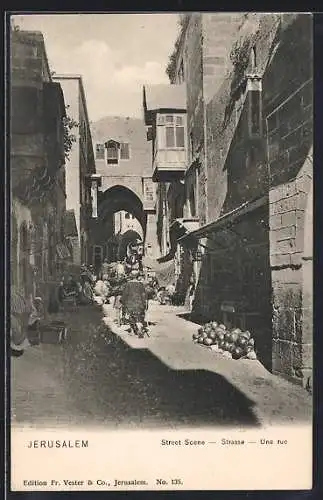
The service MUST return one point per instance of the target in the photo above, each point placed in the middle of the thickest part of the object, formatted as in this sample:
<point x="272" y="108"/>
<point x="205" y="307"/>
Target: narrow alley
<point x="106" y="376"/>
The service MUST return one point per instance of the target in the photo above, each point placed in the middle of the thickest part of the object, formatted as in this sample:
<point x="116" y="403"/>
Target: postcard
<point x="161" y="316"/>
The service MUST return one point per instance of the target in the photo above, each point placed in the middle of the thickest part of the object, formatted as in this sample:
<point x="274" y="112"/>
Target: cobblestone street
<point x="105" y="376"/>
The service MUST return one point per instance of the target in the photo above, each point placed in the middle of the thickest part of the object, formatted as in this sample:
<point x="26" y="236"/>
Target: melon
<point x="246" y="334"/>
<point x="251" y="342"/>
<point x="234" y="336"/>
<point x="252" y="355"/>
<point x="242" y="341"/>
<point x="237" y="353"/>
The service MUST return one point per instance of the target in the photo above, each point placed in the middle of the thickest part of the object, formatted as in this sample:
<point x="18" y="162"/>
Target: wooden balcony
<point x="169" y="165"/>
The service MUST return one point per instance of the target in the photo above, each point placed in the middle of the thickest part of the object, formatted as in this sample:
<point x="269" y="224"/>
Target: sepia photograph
<point x="161" y="281"/>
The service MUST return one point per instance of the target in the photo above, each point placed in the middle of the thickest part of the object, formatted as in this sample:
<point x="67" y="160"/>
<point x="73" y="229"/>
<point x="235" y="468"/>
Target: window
<point x="124" y="151"/>
<point x="112" y="153"/>
<point x="99" y="151"/>
<point x="174" y="131"/>
<point x="127" y="216"/>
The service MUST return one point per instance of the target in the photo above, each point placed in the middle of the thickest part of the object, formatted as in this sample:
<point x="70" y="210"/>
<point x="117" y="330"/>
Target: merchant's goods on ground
<point x="238" y="343"/>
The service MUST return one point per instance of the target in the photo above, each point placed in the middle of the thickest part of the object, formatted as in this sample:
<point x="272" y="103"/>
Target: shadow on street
<point x="112" y="383"/>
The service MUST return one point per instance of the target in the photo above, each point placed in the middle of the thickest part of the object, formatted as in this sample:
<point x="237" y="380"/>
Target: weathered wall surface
<point x="131" y="130"/>
<point x="290" y="227"/>
<point x="231" y="156"/>
<point x="289" y="128"/>
<point x="193" y="60"/>
<point x="240" y="168"/>
<point x="37" y="214"/>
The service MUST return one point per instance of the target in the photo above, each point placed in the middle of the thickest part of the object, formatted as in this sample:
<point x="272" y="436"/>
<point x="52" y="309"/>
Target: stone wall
<point x="33" y="124"/>
<point x="71" y="95"/>
<point x="290" y="223"/>
<point x="288" y="110"/>
<point x="193" y="61"/>
<point x="234" y="163"/>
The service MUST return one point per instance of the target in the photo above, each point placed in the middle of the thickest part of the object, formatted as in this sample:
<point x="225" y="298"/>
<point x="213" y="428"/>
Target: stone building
<point x="122" y="159"/>
<point x="80" y="169"/>
<point x="37" y="172"/>
<point x="248" y="177"/>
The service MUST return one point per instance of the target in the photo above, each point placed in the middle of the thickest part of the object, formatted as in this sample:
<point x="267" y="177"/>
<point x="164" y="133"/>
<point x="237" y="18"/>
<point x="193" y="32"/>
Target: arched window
<point x="112" y="152"/>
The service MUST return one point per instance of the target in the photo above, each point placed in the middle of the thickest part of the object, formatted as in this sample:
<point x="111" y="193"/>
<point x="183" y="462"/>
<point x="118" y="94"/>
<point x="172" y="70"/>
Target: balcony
<point x="169" y="165"/>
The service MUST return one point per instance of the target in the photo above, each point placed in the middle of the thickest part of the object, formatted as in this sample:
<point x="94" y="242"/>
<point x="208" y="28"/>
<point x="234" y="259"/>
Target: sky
<point x="116" y="54"/>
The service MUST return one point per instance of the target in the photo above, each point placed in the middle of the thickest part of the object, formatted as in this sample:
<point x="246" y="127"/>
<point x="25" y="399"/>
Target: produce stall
<point x="231" y="343"/>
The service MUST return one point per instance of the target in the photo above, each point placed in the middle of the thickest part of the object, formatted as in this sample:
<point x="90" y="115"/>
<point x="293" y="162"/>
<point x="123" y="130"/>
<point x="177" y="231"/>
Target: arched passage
<point x="126" y="238"/>
<point x="109" y="241"/>
<point x="119" y="198"/>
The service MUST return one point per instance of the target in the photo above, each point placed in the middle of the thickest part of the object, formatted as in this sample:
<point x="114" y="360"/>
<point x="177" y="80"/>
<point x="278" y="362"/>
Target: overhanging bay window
<point x="171" y="131"/>
<point x="165" y="117"/>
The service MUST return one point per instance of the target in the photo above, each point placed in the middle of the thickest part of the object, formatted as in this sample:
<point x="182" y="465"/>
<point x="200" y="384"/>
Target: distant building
<point x="80" y="168"/>
<point x="38" y="247"/>
<point x="126" y="229"/>
<point x="123" y="163"/>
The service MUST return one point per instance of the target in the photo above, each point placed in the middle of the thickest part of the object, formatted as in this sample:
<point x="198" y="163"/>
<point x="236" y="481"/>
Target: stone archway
<point x="118" y="198"/>
<point x="105" y="238"/>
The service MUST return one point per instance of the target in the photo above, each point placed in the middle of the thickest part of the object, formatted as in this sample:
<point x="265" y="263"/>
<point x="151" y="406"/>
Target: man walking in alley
<point x="135" y="303"/>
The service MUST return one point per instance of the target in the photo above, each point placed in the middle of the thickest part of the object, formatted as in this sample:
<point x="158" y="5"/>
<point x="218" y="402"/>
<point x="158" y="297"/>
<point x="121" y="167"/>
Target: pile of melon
<point x="233" y="343"/>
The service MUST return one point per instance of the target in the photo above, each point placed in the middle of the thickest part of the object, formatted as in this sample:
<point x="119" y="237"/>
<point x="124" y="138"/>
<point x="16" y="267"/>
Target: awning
<point x="165" y="272"/>
<point x="177" y="229"/>
<point x="188" y="225"/>
<point x="225" y="219"/>
<point x="154" y="264"/>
